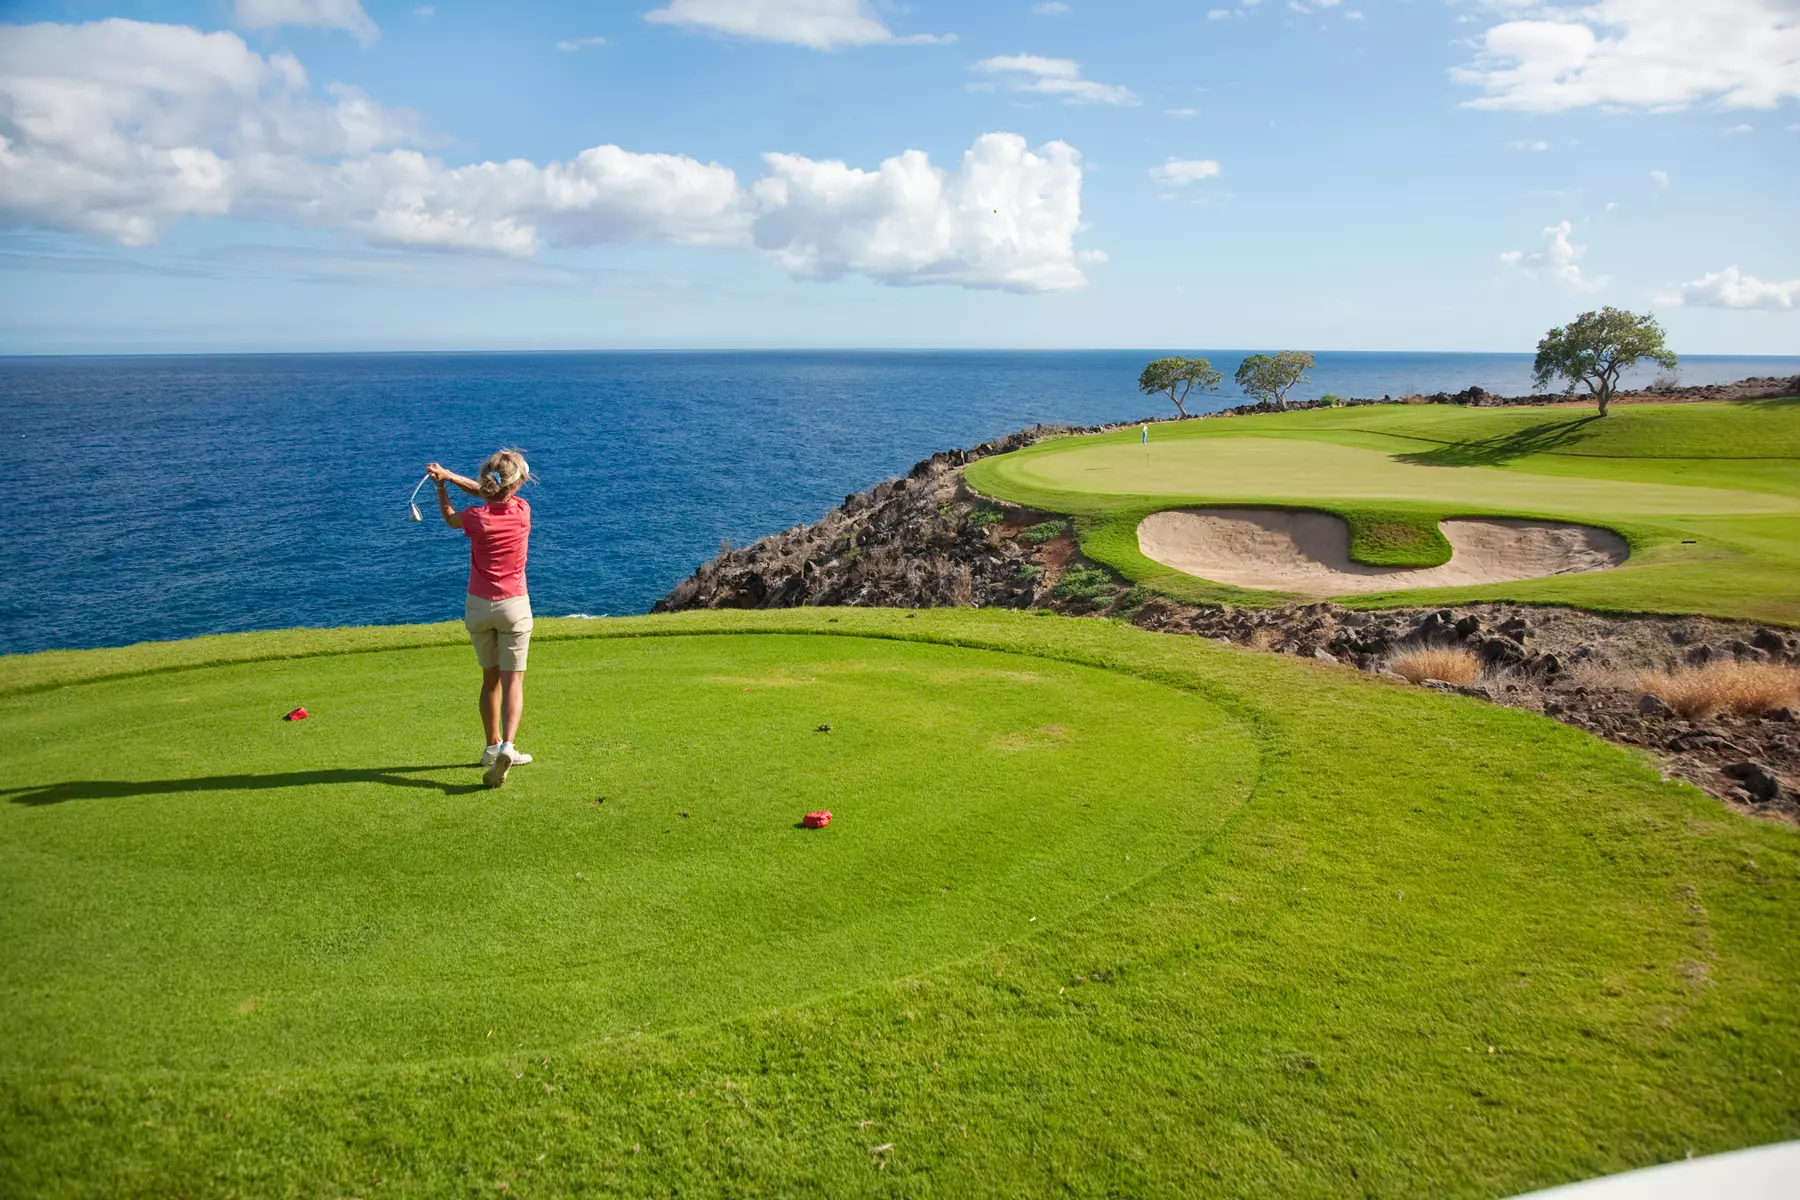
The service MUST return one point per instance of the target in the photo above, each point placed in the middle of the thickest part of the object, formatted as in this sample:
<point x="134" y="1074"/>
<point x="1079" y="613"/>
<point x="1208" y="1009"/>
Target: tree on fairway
<point x="1176" y="377"/>
<point x="1596" y="348"/>
<point x="1268" y="378"/>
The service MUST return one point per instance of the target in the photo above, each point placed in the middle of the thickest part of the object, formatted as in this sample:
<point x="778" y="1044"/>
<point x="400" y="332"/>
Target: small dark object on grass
<point x="823" y="729"/>
<point x="299" y="714"/>
<point x="600" y="800"/>
<point x="817" y="820"/>
<point x="684" y="816"/>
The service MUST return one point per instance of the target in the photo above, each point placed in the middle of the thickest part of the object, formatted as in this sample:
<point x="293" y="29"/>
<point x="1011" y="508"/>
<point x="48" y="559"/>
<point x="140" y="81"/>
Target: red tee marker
<point x="817" y="820"/>
<point x="299" y="714"/>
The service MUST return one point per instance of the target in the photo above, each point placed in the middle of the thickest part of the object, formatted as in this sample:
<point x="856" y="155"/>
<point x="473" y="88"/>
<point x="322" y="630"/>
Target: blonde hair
<point x="504" y="473"/>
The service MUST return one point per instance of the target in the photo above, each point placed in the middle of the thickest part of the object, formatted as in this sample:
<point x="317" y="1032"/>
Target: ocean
<point x="164" y="497"/>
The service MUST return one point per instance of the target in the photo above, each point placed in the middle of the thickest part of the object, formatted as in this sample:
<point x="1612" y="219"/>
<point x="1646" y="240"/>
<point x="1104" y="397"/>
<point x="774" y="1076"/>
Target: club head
<point x="415" y="513"/>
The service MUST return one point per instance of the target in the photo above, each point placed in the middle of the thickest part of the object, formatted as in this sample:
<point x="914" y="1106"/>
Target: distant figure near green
<point x="497" y="610"/>
<point x="1596" y="348"/>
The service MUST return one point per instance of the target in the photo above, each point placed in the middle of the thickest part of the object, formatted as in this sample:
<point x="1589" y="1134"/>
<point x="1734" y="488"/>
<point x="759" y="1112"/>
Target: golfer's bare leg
<point x="490" y="705"/>
<point x="512" y="684"/>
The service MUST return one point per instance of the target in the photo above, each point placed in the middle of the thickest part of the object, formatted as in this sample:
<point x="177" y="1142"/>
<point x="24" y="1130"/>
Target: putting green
<point x="1368" y="938"/>
<point x="1707" y="495"/>
<point x="1292" y="469"/>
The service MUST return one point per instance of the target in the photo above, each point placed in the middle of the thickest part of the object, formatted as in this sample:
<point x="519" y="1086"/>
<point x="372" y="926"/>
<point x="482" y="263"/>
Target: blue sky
<point x="1365" y="174"/>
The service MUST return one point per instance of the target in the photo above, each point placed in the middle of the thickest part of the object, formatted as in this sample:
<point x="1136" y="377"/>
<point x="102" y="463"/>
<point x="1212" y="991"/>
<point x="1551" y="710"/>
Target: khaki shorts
<point x="500" y="631"/>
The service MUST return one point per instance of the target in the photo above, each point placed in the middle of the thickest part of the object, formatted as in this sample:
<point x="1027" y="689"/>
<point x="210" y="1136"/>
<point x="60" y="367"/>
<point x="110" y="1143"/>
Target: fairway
<point x="1100" y="912"/>
<point x="1708" y="495"/>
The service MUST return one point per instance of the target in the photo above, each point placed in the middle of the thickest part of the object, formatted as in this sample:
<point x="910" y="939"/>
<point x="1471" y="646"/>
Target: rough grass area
<point x="1707" y="495"/>
<point x="1101" y="913"/>
<point x="1745" y="688"/>
<point x="1446" y="664"/>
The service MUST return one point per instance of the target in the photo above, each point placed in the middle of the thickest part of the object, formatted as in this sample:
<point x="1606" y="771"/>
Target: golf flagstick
<point x="412" y="501"/>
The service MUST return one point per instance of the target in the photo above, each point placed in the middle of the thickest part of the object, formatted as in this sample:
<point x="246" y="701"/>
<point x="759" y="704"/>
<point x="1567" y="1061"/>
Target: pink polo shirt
<point x="497" y="535"/>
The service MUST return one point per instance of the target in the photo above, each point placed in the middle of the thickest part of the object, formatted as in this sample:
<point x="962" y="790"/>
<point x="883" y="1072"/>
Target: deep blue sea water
<point x="162" y="497"/>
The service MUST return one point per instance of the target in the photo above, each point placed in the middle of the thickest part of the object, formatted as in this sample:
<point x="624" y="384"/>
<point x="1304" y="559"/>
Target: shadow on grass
<point x="118" y="789"/>
<point x="1503" y="448"/>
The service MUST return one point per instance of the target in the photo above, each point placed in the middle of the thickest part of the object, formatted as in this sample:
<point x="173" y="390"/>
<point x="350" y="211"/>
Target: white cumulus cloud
<point x="1179" y="172"/>
<point x="1638" y="54"/>
<point x="1006" y="218"/>
<point x="1557" y="259"/>
<point x="120" y="129"/>
<point x="817" y="24"/>
<point x="347" y="15"/>
<point x="1054" y="77"/>
<point x="1731" y="288"/>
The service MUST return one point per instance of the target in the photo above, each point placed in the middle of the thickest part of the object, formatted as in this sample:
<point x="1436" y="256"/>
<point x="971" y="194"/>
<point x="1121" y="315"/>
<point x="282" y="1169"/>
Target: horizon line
<point x="574" y="350"/>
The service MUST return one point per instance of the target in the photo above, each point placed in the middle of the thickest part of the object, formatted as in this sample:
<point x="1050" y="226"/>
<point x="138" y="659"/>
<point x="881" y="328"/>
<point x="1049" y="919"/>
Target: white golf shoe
<point x="520" y="758"/>
<point x="505" y="759"/>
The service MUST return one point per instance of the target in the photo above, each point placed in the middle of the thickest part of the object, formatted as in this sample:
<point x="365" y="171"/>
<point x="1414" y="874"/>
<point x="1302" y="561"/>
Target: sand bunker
<point x="1283" y="551"/>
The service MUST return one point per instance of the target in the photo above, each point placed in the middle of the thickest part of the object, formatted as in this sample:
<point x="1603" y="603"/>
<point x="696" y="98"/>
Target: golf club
<point x="413" y="500"/>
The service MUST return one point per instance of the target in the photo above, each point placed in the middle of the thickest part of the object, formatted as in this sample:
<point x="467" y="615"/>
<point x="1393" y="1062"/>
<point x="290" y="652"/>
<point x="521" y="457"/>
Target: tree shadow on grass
<point x="1547" y="438"/>
<point x="118" y="789"/>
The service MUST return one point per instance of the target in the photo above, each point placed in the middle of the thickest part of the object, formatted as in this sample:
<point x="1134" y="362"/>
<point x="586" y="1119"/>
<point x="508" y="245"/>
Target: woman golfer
<point x="497" y="610"/>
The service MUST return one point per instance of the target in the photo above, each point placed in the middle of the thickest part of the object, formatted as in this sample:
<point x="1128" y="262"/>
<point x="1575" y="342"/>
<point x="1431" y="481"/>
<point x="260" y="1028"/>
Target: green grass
<point x="1708" y="495"/>
<point x="1281" y="914"/>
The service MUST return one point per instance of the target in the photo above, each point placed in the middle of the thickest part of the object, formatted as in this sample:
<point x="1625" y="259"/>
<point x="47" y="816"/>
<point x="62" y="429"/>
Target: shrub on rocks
<point x="1088" y="584"/>
<point x="1724" y="685"/>
<point x="1446" y="664"/>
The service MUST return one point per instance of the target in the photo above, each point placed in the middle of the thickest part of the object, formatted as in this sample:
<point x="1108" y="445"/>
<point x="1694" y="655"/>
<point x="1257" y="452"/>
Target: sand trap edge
<point x="1308" y="551"/>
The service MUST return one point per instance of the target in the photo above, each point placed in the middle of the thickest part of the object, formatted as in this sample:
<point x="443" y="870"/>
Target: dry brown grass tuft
<point x="1745" y="688"/>
<point x="1450" y="664"/>
<point x="1264" y="638"/>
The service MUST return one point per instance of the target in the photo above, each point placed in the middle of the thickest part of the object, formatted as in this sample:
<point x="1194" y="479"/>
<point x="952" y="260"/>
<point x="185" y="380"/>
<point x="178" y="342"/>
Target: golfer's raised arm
<point x="444" y="475"/>
<point x="446" y="508"/>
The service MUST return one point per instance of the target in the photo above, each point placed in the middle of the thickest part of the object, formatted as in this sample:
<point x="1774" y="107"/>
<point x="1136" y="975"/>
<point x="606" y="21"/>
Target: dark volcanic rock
<point x="1501" y="652"/>
<point x="1757" y="779"/>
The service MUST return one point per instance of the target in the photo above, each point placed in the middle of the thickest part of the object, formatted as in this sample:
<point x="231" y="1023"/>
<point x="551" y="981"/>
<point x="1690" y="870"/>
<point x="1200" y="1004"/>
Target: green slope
<point x="1282" y="913"/>
<point x="1708" y="495"/>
